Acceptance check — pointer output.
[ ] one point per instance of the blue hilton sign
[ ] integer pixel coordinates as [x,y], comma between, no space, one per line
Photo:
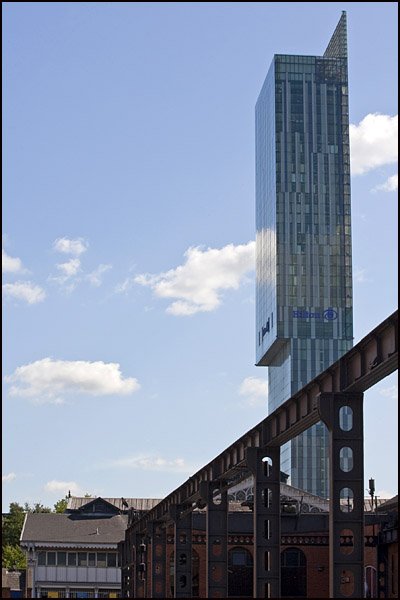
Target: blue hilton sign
[327,315]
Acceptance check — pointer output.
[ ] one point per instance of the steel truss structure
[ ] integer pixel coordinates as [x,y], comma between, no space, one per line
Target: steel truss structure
[336,398]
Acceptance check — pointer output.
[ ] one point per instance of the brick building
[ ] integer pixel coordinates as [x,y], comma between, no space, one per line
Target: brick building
[304,554]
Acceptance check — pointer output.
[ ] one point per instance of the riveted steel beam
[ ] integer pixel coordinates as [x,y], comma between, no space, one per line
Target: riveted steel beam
[372,359]
[343,416]
[140,567]
[182,550]
[158,539]
[216,538]
[265,466]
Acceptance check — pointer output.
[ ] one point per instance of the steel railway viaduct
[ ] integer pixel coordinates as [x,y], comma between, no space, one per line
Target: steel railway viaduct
[336,398]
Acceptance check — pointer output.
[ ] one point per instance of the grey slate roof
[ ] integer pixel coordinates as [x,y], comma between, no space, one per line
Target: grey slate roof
[70,528]
[75,503]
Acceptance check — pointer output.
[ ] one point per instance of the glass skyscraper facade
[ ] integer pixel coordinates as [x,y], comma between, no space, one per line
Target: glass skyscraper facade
[304,316]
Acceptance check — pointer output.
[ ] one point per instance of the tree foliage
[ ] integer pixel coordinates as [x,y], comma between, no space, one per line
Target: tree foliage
[13,558]
[61,505]
[12,524]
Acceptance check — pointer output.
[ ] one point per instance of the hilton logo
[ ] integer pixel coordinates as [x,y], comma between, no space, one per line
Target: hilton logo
[327,315]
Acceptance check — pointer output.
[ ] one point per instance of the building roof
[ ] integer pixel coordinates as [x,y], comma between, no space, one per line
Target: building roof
[123,504]
[391,504]
[70,528]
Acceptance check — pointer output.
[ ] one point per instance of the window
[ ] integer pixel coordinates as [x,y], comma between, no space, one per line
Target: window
[101,559]
[71,559]
[82,559]
[61,558]
[51,558]
[370,582]
[238,558]
[240,572]
[294,574]
[91,559]
[111,560]
[42,558]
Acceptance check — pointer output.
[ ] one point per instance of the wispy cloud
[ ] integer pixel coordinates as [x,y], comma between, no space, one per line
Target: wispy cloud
[373,142]
[24,290]
[148,462]
[360,275]
[390,392]
[70,269]
[45,380]
[125,286]
[385,494]
[199,283]
[73,247]
[95,277]
[61,488]
[8,478]
[255,391]
[72,272]
[391,185]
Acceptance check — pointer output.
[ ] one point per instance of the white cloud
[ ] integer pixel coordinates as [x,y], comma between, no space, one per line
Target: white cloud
[95,276]
[391,185]
[385,494]
[360,275]
[74,247]
[71,268]
[255,389]
[373,143]
[61,488]
[198,283]
[151,463]
[390,392]
[24,290]
[8,478]
[45,379]
[11,265]
[124,286]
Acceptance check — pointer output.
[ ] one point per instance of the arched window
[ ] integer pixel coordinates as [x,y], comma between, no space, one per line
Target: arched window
[293,573]
[370,582]
[240,572]
[195,575]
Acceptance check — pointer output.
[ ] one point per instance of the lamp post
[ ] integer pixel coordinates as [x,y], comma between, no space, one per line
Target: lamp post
[372,492]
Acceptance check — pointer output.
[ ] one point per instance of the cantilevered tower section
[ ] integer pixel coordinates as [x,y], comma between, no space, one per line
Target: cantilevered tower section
[304,318]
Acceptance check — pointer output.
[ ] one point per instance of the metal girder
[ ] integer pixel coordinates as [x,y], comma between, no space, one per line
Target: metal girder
[140,566]
[372,359]
[217,539]
[182,550]
[158,539]
[343,416]
[265,466]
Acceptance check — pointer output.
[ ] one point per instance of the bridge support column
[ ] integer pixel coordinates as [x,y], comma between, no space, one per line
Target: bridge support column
[182,551]
[140,566]
[265,466]
[217,539]
[343,415]
[158,559]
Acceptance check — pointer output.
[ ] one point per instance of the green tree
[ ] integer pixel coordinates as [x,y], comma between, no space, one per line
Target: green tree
[39,508]
[12,524]
[13,557]
[61,505]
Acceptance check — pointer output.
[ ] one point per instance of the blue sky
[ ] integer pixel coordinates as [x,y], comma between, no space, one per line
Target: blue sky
[129,227]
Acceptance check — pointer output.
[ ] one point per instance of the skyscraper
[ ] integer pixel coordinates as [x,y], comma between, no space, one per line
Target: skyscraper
[304,317]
